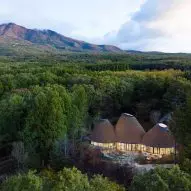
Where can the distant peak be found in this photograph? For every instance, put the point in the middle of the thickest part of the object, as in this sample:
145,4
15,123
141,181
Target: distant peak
48,38
8,24
11,24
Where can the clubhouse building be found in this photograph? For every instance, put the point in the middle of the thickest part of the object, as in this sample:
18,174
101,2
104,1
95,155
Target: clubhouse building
129,135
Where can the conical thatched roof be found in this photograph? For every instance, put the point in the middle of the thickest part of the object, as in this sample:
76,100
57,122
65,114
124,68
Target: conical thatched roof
129,130
103,132
159,136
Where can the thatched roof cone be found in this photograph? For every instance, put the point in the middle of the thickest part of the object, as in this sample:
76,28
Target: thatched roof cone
103,132
129,130
159,136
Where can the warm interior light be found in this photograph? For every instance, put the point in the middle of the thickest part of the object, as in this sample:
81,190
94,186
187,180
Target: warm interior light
135,147
103,145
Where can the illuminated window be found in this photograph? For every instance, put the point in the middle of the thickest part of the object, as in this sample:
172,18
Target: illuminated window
155,150
143,148
122,146
138,147
149,149
104,145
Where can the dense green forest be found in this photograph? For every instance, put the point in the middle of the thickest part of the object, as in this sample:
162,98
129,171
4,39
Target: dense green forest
47,100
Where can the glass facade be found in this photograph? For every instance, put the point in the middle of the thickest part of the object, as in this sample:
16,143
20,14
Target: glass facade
161,151
104,145
135,147
130,147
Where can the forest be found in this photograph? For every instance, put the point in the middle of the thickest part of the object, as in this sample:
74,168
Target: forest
48,104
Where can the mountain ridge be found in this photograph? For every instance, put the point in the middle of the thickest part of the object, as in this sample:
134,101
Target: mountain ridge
13,35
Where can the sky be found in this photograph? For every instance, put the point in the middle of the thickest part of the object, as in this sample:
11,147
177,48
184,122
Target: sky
147,25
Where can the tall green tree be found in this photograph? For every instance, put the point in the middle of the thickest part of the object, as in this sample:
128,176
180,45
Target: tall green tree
23,182
70,180
99,183
47,119
181,126
161,179
64,180
78,114
12,116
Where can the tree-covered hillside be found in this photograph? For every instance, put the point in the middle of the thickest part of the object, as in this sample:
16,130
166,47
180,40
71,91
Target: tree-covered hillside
48,99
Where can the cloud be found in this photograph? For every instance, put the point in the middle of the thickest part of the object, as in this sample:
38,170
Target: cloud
136,32
158,25
151,10
161,25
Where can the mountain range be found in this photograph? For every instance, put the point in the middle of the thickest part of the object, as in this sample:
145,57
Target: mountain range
16,38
